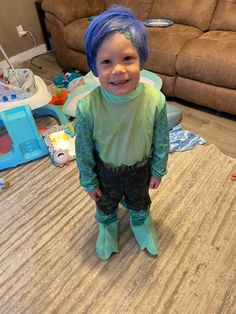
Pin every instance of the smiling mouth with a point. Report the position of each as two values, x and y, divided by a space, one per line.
118 83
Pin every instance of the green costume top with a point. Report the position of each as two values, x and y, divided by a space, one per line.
122 129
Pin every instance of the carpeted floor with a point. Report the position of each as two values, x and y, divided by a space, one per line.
48 232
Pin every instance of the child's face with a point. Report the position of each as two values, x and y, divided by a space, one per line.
118 64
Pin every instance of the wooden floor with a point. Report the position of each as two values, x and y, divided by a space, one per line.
216 128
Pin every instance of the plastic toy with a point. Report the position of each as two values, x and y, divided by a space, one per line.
63 79
4 184
60 158
16 84
18 118
61 144
60 96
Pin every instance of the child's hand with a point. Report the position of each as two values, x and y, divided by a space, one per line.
154 182
95 194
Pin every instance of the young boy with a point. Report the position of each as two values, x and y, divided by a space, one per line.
122 138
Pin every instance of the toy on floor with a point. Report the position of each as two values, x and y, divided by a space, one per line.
67 75
59 97
23 97
60 88
6 142
61 144
4 184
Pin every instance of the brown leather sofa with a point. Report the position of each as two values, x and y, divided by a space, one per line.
195 57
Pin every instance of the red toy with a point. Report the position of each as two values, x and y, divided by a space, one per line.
60 97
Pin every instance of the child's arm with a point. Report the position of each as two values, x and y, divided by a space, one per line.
160 145
85 149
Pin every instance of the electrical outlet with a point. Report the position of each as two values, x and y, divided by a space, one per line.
20 30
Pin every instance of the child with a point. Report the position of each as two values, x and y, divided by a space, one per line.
122 138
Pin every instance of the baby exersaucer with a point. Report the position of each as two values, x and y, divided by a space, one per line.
17 116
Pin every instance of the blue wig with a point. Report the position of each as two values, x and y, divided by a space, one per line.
116 18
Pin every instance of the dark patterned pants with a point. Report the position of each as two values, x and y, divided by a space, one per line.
130 182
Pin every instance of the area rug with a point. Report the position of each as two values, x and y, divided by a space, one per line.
48 232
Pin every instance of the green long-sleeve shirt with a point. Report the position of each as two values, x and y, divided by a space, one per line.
122 129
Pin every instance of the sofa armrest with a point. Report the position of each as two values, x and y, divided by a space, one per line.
69 10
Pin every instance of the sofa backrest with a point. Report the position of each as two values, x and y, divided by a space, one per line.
69 10
196 13
224 17
141 8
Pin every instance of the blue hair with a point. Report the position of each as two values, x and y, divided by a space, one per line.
116 18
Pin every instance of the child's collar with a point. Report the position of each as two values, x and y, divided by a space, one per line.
118 99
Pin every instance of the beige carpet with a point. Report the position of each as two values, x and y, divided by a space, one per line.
47 243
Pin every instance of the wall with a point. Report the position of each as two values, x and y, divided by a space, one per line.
13 13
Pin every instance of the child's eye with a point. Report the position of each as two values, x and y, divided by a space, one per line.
128 58
107 61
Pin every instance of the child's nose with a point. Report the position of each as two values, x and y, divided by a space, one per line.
118 68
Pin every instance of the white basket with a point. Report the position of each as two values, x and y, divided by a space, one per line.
16 84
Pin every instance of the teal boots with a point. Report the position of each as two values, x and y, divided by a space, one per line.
143 229
141 224
107 240
145 235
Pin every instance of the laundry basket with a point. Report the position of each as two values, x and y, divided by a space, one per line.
16 84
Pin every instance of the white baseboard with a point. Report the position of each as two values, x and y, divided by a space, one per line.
23 56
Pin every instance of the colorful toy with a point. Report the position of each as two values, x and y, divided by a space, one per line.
4 184
17 116
60 96
61 144
63 79
22 97
16 84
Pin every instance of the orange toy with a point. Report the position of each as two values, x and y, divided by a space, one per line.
59 98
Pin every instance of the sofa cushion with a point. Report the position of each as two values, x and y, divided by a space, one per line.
207 95
141 8
74 34
224 17
196 13
165 45
210 58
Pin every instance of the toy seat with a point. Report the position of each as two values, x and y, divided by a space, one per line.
27 143
18 119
